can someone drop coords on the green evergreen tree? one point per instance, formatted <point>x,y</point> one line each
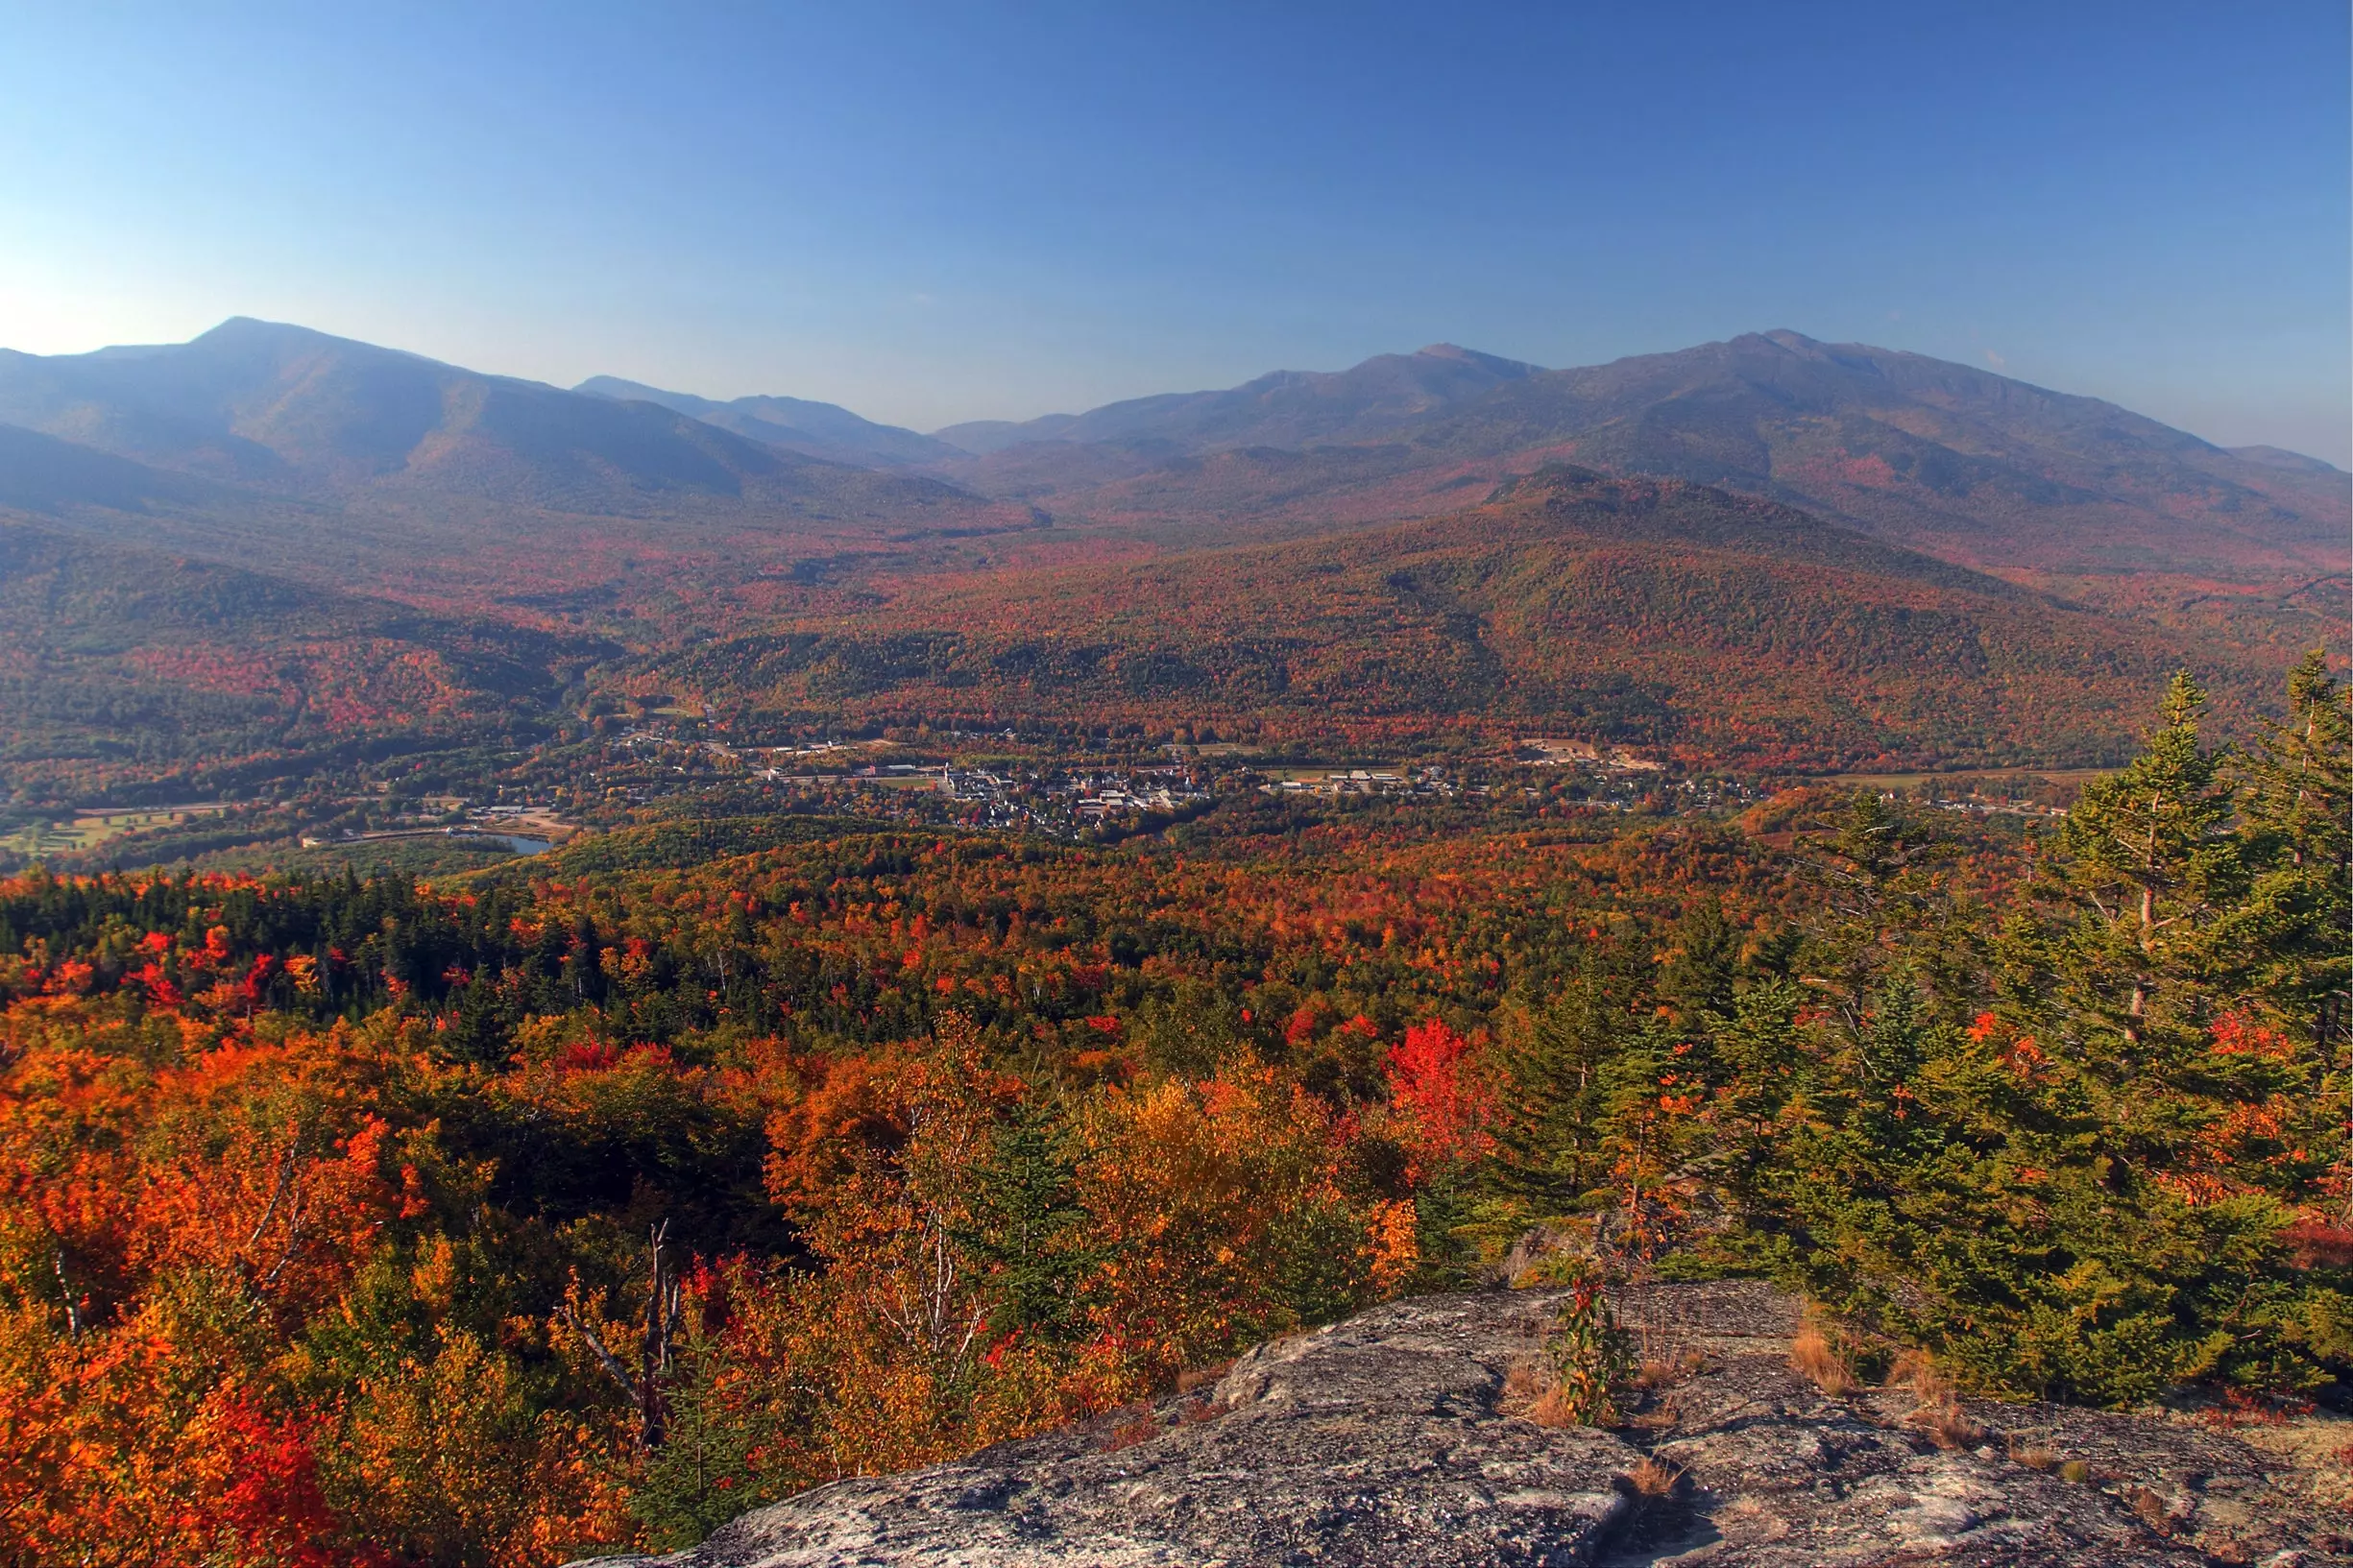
<point>1706,969</point>
<point>2294,926</point>
<point>2148,864</point>
<point>2092,1191</point>
<point>1548,1066</point>
<point>1883,902</point>
<point>1028,1223</point>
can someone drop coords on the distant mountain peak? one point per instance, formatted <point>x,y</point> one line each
<point>619,389</point>
<point>1957,460</point>
<point>253,330</point>
<point>1552,478</point>
<point>245,336</point>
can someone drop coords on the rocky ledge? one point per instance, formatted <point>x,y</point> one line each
<point>1401,1438</point>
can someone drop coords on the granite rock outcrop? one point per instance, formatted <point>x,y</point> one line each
<point>1404,1436</point>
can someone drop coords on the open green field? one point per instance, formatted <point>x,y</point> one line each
<point>90,828</point>
<point>426,856</point>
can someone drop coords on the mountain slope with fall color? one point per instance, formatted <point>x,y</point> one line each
<point>1653,612</point>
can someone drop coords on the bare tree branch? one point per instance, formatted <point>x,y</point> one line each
<point>73,1309</point>
<point>277,1193</point>
<point>596,1347</point>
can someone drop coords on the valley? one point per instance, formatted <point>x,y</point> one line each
<point>269,551</point>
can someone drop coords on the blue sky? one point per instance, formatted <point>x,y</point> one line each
<point>934,212</point>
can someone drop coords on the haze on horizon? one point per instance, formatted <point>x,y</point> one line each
<point>930,215</point>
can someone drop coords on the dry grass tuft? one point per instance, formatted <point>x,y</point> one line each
<point>2151,1509</point>
<point>2075,1472</point>
<point>1938,1409</point>
<point>1949,1425</point>
<point>1193,1377</point>
<point>1130,1435</point>
<point>1665,1371</point>
<point>1556,1407</point>
<point>1917,1372</point>
<point>1527,1379</point>
<point>1142,1427</point>
<point>1653,1479</point>
<point>1825,1364</point>
<point>2034,1457</point>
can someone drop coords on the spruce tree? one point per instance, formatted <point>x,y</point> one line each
<point>2293,932</point>
<point>1028,1224</point>
<point>1548,1068</point>
<point>1706,969</point>
<point>2148,864</point>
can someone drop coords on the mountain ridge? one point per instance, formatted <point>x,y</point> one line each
<point>1856,501</point>
<point>815,429</point>
<point>1983,468</point>
<point>1977,467</point>
<point>254,399</point>
<point>262,442</point>
<point>1365,399</point>
<point>116,657</point>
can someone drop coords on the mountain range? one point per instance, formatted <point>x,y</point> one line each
<point>1959,463</point>
<point>1962,463</point>
<point>254,402</point>
<point>272,445</point>
<point>1829,553</point>
<point>1287,408</point>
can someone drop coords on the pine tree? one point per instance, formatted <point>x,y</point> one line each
<point>1882,902</point>
<point>1548,1070</point>
<point>2295,929</point>
<point>1028,1226</point>
<point>1707,964</point>
<point>2148,864</point>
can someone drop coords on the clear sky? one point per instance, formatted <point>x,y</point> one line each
<point>936,212</point>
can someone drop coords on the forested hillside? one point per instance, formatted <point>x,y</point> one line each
<point>122,664</point>
<point>502,1219</point>
<point>795,425</point>
<point>1722,629</point>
